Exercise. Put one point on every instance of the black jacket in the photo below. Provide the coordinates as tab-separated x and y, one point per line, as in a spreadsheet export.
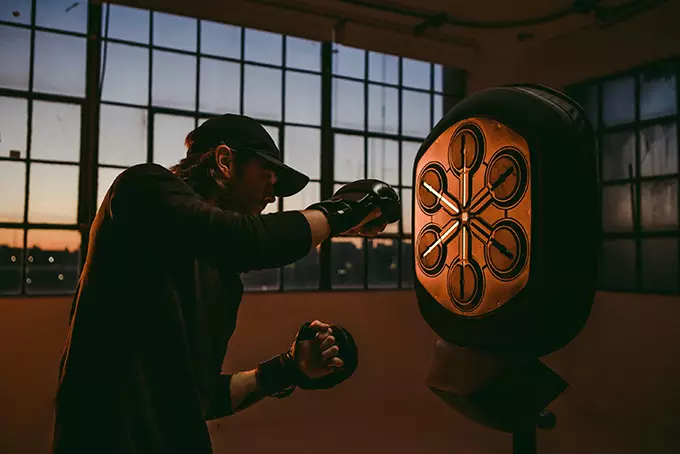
153	313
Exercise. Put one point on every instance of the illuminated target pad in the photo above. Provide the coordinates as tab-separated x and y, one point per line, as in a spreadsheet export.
473	216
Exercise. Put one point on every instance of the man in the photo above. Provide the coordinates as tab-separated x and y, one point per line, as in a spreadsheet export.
158	297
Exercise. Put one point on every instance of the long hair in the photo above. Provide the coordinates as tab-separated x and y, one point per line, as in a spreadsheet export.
199	170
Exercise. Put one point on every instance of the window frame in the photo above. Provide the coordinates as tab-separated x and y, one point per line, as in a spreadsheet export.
91	104
637	234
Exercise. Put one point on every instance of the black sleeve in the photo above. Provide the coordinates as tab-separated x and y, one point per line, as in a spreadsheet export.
221	401
164	212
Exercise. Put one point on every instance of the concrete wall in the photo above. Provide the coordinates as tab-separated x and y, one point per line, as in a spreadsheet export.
623	370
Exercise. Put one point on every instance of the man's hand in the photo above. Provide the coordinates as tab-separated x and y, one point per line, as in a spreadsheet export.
319	356
364	207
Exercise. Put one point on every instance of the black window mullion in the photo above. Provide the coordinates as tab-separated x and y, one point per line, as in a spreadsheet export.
282	145
89	127
327	155
366	153
401	164
29	139
637	204
150	115
198	73
243	70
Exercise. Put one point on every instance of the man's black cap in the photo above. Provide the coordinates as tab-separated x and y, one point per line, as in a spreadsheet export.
245	135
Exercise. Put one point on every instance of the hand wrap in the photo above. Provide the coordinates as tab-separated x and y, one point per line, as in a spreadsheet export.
354	202
280	375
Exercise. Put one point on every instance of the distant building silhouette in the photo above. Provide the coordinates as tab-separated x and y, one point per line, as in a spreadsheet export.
57	271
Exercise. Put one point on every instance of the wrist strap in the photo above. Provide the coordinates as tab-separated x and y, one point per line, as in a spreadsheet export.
275	376
342	214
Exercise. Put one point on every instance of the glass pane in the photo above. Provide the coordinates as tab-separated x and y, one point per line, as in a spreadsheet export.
658	150
438	105
59	64
271	207
264	47
383	68
348	61
618	154
61	14
202	120
53	194
220	39
408	159
618	100
438	78
657	93
415	74
56	131
382	263
302	150
303	54
617	265
262	93
15	11
407	264
175	32
169	132
220	86
383	160
303	98
415	114
660	264
659	204
130	24
273	132
617	208
310	194
407	210
383	109
126	77
11	255
348	104
303	274
348	158
174	80
586	96
13	126
122	135
262	280
52	262
15	47
347	263
105	178
13	190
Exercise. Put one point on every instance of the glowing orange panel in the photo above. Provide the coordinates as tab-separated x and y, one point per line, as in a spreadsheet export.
472	216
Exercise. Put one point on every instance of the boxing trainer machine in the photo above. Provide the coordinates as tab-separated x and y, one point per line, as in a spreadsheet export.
506	236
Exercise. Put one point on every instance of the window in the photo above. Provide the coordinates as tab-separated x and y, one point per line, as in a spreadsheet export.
635	118
42	94
161	75
383	107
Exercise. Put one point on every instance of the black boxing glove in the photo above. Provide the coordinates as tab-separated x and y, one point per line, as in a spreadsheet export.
353	203
280	375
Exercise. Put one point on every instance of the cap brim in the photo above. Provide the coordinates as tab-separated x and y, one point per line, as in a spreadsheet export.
288	180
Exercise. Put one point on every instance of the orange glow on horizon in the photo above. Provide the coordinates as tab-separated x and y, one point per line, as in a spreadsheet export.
47	240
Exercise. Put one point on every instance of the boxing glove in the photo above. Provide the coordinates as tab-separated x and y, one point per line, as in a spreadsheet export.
280	375
354	203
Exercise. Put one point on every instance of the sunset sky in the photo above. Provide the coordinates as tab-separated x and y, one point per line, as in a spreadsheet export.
60	69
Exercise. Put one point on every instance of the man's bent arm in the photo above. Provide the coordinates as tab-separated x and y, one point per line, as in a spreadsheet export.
235	393
156	206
